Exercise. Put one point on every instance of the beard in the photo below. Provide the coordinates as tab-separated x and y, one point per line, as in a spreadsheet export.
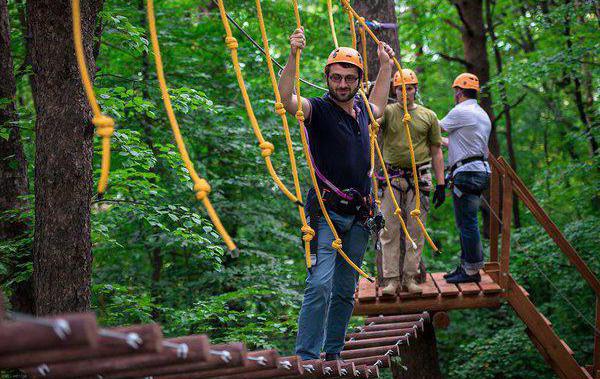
348	94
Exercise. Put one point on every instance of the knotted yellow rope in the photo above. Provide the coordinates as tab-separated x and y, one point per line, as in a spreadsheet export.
375	144
201	186
363	42
337	242
415	213
266	147
105	125
331	23
307	231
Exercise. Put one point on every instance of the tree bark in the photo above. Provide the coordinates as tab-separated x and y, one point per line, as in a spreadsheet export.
63	175
13	167
505	105
420	359
381	11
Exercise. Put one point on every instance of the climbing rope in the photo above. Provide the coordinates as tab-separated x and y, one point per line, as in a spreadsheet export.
337	242
363	42
331	23
350	14
374	129
201	186
105	125
307	231
416	212
266	147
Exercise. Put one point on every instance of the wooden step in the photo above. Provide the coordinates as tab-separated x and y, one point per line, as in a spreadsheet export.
445	288
366	290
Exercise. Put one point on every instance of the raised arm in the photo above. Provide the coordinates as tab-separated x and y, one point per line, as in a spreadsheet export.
287	79
381	89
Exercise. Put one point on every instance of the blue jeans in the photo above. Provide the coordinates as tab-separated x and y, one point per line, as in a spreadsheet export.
466	194
330	285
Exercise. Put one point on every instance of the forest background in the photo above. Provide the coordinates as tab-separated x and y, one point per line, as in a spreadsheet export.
156	256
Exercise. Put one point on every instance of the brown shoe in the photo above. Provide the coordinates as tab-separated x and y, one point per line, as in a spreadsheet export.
391	289
412	286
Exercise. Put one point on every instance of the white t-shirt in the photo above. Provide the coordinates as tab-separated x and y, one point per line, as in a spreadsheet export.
468	127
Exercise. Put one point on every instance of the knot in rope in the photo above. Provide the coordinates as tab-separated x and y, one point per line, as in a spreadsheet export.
346	6
105	125
279	109
337	244
202	189
267	148
375	127
407	117
397	211
308	233
415	212
231	42
300	116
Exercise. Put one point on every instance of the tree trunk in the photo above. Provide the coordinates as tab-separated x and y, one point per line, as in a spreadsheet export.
63	176
420	359
506	108
382	11
13	167
473	35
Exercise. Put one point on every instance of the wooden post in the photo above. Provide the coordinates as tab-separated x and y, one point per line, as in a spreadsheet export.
597	340
494	211
507	199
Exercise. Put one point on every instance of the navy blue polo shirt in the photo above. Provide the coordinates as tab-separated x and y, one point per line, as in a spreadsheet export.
340	144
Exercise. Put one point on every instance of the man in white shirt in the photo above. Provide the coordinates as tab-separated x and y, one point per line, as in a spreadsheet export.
468	127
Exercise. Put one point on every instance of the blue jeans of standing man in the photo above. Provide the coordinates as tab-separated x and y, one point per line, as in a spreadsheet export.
330	285
466	194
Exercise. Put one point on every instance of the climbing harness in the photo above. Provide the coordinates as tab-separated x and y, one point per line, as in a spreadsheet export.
308	232
201	186
266	147
105	125
415	213
337	242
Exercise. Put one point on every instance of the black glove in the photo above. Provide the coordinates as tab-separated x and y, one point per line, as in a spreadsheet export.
439	196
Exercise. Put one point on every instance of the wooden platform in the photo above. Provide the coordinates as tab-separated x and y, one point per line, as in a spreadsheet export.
437	295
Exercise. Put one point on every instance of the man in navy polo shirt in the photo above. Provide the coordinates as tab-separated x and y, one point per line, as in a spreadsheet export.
338	134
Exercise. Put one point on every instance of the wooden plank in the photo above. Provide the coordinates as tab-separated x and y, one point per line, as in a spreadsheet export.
544	354
366	290
407	295
436	303
495	207
446	289
469	289
526	310
491	266
429	288
487	284
542	217
567	348
507	200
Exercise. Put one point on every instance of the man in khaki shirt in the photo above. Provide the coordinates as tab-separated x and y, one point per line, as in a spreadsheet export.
426	139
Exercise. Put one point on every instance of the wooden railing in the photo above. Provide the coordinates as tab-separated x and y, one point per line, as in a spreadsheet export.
501	201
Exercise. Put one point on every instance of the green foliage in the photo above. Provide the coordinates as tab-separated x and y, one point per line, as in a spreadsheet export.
156	254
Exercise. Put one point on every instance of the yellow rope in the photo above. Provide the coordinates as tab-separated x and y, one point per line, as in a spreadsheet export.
201	186
351	23
415	213
363	42
266	147
374	143
308	232
105	125
337	242
331	23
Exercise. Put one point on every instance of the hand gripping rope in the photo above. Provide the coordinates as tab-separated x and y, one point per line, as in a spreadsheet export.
105	125
266	147
415	213
337	242
307	231
201	186
375	146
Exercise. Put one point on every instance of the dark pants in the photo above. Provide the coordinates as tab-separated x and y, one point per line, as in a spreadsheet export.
466	194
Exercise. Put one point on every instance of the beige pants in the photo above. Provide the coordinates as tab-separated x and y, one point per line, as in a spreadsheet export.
392	237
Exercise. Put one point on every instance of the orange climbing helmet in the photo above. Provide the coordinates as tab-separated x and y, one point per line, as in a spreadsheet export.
466	81
409	77
345	55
